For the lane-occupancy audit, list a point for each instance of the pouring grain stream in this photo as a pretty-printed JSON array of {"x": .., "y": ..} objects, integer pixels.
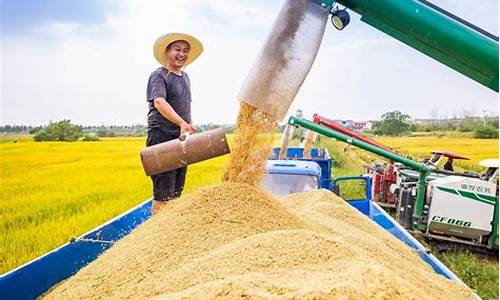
[
  {"x": 253, "y": 140},
  {"x": 272, "y": 84}
]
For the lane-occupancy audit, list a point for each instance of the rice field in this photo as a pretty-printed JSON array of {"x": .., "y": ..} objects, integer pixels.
[
  {"x": 52, "y": 191},
  {"x": 420, "y": 147}
]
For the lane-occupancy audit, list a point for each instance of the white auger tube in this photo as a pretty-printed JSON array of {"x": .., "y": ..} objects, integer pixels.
[{"x": 286, "y": 57}]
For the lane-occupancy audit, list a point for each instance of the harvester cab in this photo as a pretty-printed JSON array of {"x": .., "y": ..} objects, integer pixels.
[
  {"x": 491, "y": 173},
  {"x": 438, "y": 156}
]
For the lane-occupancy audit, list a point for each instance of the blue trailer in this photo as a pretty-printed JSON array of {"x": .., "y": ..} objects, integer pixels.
[{"x": 37, "y": 276}]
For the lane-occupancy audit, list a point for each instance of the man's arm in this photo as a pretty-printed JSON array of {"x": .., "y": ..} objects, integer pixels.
[{"x": 169, "y": 113}]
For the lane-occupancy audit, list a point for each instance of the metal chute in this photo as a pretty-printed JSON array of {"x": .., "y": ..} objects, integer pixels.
[{"x": 286, "y": 57}]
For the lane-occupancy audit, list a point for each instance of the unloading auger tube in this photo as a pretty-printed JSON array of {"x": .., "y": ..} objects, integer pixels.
[
  {"x": 291, "y": 47},
  {"x": 420, "y": 167},
  {"x": 286, "y": 57}
]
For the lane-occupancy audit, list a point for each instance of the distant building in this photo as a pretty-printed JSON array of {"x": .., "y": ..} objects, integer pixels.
[
  {"x": 426, "y": 121},
  {"x": 345, "y": 123},
  {"x": 367, "y": 127},
  {"x": 356, "y": 126},
  {"x": 451, "y": 120}
]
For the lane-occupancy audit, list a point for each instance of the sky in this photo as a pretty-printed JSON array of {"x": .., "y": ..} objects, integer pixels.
[{"x": 89, "y": 61}]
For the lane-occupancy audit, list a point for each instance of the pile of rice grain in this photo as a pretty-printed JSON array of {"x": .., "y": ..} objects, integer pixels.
[{"x": 234, "y": 241}]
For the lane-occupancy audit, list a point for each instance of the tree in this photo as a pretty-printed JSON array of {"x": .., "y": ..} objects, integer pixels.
[
  {"x": 468, "y": 124},
  {"x": 393, "y": 123},
  {"x": 486, "y": 133},
  {"x": 34, "y": 130},
  {"x": 59, "y": 131},
  {"x": 41, "y": 135},
  {"x": 493, "y": 122}
]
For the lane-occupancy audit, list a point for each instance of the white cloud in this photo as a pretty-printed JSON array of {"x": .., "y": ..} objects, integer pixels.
[
  {"x": 363, "y": 79},
  {"x": 97, "y": 74},
  {"x": 100, "y": 77}
]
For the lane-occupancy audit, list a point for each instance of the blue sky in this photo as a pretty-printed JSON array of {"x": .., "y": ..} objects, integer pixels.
[
  {"x": 20, "y": 16},
  {"x": 89, "y": 60}
]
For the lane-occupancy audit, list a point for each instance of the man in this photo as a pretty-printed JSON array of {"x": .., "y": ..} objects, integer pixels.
[
  {"x": 448, "y": 166},
  {"x": 169, "y": 101}
]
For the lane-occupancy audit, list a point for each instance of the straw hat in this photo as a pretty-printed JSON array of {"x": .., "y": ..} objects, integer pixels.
[{"x": 163, "y": 41}]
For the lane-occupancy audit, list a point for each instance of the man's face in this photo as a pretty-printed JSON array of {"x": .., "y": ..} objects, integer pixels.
[{"x": 177, "y": 53}]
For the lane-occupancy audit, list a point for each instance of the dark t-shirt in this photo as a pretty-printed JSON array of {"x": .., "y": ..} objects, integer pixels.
[
  {"x": 448, "y": 166},
  {"x": 176, "y": 90}
]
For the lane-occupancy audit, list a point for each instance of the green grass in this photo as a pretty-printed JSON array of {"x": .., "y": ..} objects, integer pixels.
[
  {"x": 477, "y": 272},
  {"x": 347, "y": 161}
]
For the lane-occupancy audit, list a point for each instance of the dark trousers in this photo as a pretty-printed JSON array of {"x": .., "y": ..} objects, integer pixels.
[{"x": 166, "y": 185}]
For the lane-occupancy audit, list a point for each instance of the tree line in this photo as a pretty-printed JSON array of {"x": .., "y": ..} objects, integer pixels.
[
  {"x": 393, "y": 123},
  {"x": 64, "y": 130},
  {"x": 396, "y": 123}
]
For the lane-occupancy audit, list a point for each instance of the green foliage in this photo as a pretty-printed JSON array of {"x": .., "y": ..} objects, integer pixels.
[
  {"x": 393, "y": 123},
  {"x": 430, "y": 127},
  {"x": 351, "y": 189},
  {"x": 493, "y": 123},
  {"x": 8, "y": 129},
  {"x": 346, "y": 161},
  {"x": 90, "y": 138},
  {"x": 413, "y": 127},
  {"x": 41, "y": 135},
  {"x": 59, "y": 131},
  {"x": 298, "y": 133},
  {"x": 486, "y": 133},
  {"x": 468, "y": 124},
  {"x": 105, "y": 133},
  {"x": 434, "y": 126},
  {"x": 336, "y": 151},
  {"x": 479, "y": 274},
  {"x": 35, "y": 129}
]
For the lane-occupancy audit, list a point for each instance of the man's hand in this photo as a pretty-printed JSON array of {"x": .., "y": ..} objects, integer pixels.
[
  {"x": 186, "y": 129},
  {"x": 169, "y": 113}
]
